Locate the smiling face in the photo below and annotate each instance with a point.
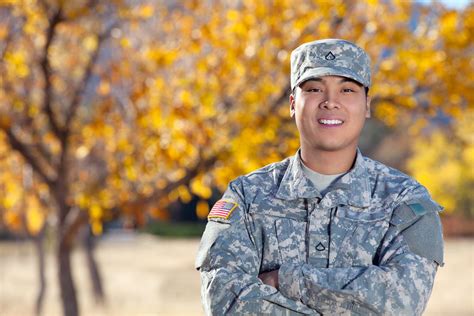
(330, 113)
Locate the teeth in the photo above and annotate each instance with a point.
(330, 122)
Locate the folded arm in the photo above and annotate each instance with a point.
(229, 261)
(400, 283)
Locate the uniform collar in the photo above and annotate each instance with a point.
(350, 189)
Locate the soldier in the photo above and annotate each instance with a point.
(327, 231)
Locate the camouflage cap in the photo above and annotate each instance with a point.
(328, 57)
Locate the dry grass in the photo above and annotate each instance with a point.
(144, 275)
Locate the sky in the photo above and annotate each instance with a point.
(455, 4)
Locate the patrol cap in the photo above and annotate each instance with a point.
(328, 57)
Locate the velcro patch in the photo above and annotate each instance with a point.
(222, 209)
(417, 208)
(425, 238)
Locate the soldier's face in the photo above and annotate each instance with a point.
(330, 113)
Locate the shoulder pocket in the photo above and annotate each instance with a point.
(409, 212)
(419, 223)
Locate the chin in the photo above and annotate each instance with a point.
(333, 147)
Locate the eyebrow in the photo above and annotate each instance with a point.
(342, 80)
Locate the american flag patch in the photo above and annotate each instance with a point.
(222, 209)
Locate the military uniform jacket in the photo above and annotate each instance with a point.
(370, 246)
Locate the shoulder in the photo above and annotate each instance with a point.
(265, 178)
(392, 183)
(243, 190)
(415, 214)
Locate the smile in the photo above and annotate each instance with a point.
(330, 122)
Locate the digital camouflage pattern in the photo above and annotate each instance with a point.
(327, 57)
(370, 246)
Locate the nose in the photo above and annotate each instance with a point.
(329, 104)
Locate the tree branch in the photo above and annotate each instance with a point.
(25, 151)
(46, 68)
(37, 144)
(160, 193)
(85, 80)
(284, 95)
(190, 174)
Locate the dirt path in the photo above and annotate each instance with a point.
(151, 276)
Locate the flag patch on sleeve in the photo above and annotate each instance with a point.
(222, 209)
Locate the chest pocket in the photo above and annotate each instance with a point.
(291, 242)
(355, 236)
(281, 239)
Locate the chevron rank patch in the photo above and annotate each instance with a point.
(222, 209)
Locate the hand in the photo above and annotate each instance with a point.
(270, 278)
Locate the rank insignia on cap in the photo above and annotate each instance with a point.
(330, 56)
(222, 209)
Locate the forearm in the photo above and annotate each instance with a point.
(241, 294)
(400, 288)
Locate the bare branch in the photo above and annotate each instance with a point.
(191, 173)
(46, 68)
(39, 146)
(28, 155)
(158, 194)
(7, 41)
(44, 152)
(284, 95)
(79, 92)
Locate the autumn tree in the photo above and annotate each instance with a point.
(120, 110)
(443, 161)
(42, 90)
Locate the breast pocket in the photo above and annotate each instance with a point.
(356, 236)
(291, 242)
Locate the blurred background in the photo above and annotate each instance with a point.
(121, 123)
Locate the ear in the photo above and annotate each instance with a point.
(367, 107)
(292, 105)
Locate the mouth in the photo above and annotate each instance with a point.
(334, 122)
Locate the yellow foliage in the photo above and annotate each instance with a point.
(104, 88)
(200, 188)
(90, 43)
(146, 11)
(12, 220)
(95, 212)
(35, 216)
(445, 165)
(97, 227)
(184, 194)
(12, 194)
(202, 209)
(201, 81)
(125, 42)
(16, 64)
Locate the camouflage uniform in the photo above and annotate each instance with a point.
(370, 245)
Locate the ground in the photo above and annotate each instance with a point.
(145, 275)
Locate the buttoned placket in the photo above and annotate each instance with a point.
(317, 233)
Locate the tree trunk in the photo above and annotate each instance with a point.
(94, 273)
(66, 282)
(38, 241)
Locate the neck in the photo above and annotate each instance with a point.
(328, 162)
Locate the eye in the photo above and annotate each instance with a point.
(348, 90)
(314, 90)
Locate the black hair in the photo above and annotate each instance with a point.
(366, 89)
